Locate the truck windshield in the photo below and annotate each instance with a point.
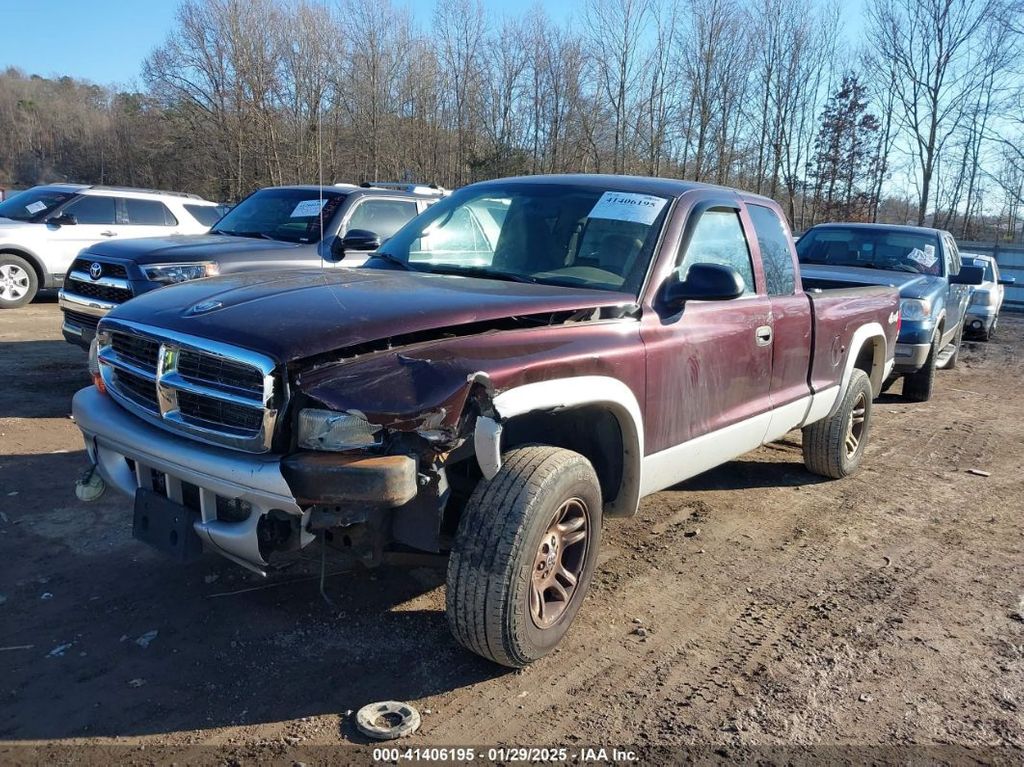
(33, 204)
(872, 248)
(291, 215)
(569, 235)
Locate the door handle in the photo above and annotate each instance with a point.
(763, 335)
(108, 233)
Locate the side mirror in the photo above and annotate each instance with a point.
(969, 275)
(355, 239)
(1007, 281)
(704, 282)
(64, 219)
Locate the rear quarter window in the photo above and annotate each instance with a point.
(148, 213)
(776, 256)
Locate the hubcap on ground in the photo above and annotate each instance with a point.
(855, 425)
(559, 562)
(13, 282)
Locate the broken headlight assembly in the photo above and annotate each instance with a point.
(333, 431)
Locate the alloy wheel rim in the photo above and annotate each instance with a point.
(855, 426)
(14, 282)
(557, 568)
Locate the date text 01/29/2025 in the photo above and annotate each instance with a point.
(503, 754)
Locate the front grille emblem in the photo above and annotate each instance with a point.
(95, 270)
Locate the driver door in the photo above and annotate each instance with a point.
(959, 295)
(709, 363)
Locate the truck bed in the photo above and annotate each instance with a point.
(838, 314)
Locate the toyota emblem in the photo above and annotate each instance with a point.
(95, 270)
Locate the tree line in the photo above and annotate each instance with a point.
(921, 121)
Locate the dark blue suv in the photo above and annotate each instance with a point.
(924, 264)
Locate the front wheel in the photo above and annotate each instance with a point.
(917, 387)
(834, 446)
(19, 282)
(524, 555)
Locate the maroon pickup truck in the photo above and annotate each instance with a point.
(524, 360)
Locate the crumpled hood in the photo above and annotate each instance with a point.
(298, 314)
(185, 247)
(909, 285)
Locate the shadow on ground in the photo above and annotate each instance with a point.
(38, 378)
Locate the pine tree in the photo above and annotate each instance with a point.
(844, 160)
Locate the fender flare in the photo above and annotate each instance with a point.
(566, 393)
(870, 332)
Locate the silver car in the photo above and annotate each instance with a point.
(986, 299)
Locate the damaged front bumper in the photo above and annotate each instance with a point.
(277, 493)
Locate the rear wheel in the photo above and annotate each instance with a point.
(524, 555)
(834, 446)
(917, 387)
(19, 282)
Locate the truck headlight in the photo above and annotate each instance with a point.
(329, 430)
(170, 274)
(915, 308)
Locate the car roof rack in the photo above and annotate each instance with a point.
(430, 190)
(103, 188)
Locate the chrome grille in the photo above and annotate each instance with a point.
(137, 349)
(219, 372)
(106, 269)
(212, 412)
(101, 291)
(211, 392)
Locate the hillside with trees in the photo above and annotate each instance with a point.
(921, 121)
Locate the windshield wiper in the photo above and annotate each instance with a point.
(393, 260)
(481, 271)
(254, 235)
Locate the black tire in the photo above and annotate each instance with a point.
(19, 282)
(498, 546)
(826, 443)
(917, 387)
(955, 358)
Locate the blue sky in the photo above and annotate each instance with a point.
(105, 41)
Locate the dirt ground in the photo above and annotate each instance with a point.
(880, 610)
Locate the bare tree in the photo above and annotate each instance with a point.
(929, 43)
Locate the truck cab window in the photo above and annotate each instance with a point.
(773, 239)
(382, 217)
(719, 239)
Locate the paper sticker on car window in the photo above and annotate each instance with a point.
(35, 207)
(308, 208)
(621, 206)
(923, 257)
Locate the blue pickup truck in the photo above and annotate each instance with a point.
(924, 264)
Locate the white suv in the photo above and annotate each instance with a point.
(43, 228)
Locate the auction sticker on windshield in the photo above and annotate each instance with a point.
(35, 207)
(308, 208)
(622, 206)
(925, 258)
